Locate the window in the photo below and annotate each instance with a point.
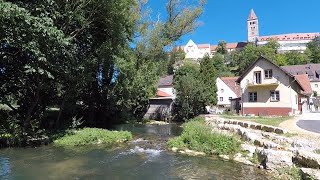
(257, 77)
(221, 99)
(222, 90)
(316, 85)
(274, 96)
(268, 74)
(252, 96)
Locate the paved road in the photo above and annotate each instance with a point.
(310, 122)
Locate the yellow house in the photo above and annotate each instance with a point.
(267, 89)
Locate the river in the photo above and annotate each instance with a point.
(143, 158)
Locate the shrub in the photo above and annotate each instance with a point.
(197, 136)
(93, 136)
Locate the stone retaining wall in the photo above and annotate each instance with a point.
(273, 150)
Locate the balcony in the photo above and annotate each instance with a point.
(263, 82)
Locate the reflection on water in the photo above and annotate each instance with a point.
(142, 158)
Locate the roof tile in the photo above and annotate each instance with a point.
(231, 83)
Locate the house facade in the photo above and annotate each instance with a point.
(161, 106)
(227, 89)
(267, 89)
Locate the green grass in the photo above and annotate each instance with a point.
(272, 121)
(199, 137)
(87, 136)
(292, 173)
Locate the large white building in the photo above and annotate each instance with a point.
(288, 42)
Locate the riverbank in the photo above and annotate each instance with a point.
(87, 136)
(270, 148)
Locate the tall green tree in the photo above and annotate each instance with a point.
(313, 49)
(209, 74)
(222, 48)
(191, 91)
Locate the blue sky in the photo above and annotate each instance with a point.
(226, 19)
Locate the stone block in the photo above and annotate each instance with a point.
(307, 159)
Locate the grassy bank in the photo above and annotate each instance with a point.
(272, 121)
(199, 137)
(87, 136)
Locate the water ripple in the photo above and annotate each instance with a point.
(5, 168)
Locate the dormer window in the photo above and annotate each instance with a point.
(268, 74)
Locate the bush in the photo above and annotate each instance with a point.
(93, 136)
(197, 136)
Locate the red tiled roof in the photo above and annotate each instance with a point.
(304, 82)
(213, 47)
(200, 46)
(252, 15)
(231, 83)
(230, 45)
(163, 94)
(289, 37)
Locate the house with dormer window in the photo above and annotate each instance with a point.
(267, 89)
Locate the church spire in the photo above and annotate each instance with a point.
(252, 15)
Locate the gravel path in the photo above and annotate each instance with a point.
(291, 126)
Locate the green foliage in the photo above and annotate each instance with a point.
(315, 94)
(313, 50)
(272, 121)
(222, 47)
(192, 92)
(208, 73)
(197, 136)
(290, 173)
(10, 130)
(93, 60)
(89, 136)
(176, 56)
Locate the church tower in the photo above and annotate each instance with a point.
(253, 27)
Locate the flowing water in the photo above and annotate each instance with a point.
(143, 158)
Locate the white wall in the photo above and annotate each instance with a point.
(225, 94)
(293, 45)
(287, 94)
(315, 87)
(193, 52)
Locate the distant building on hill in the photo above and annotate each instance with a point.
(197, 51)
(288, 42)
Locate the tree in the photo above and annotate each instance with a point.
(222, 48)
(313, 49)
(191, 91)
(175, 56)
(89, 58)
(251, 52)
(209, 74)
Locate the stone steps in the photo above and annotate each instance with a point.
(272, 149)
